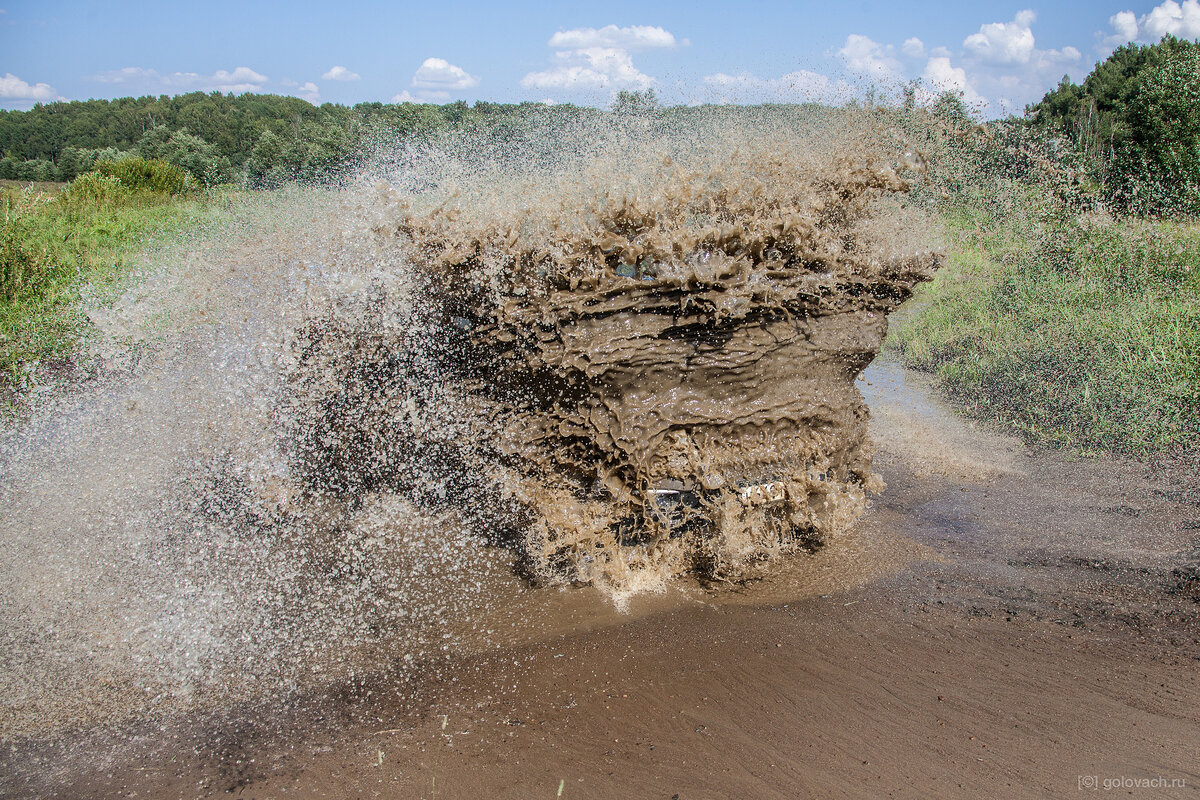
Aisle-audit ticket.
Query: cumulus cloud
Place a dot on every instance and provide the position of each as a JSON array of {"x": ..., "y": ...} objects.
[
  {"x": 340, "y": 73},
  {"x": 1044, "y": 60},
  {"x": 1124, "y": 25},
  {"x": 599, "y": 59},
  {"x": 1004, "y": 42},
  {"x": 241, "y": 79},
  {"x": 1182, "y": 20},
  {"x": 593, "y": 68},
  {"x": 800, "y": 86},
  {"x": 913, "y": 47},
  {"x": 633, "y": 38},
  {"x": 13, "y": 88},
  {"x": 440, "y": 75},
  {"x": 1171, "y": 17},
  {"x": 1012, "y": 45},
  {"x": 940, "y": 76},
  {"x": 870, "y": 59},
  {"x": 309, "y": 92},
  {"x": 999, "y": 69},
  {"x": 1004, "y": 66}
]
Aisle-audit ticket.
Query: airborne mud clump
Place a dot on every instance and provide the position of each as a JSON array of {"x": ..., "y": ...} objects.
[{"x": 632, "y": 363}]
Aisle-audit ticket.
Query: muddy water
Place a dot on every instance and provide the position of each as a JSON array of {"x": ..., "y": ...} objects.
[
  {"x": 999, "y": 617},
  {"x": 306, "y": 457},
  {"x": 652, "y": 355}
]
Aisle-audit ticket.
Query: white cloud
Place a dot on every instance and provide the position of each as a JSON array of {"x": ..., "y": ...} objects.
[
  {"x": 440, "y": 74},
  {"x": 1171, "y": 17},
  {"x": 125, "y": 75},
  {"x": 1053, "y": 60},
  {"x": 635, "y": 37},
  {"x": 308, "y": 92},
  {"x": 870, "y": 59},
  {"x": 600, "y": 59},
  {"x": 939, "y": 76},
  {"x": 1182, "y": 20},
  {"x": 241, "y": 79},
  {"x": 799, "y": 86},
  {"x": 592, "y": 68},
  {"x": 242, "y": 76},
  {"x": 1004, "y": 67},
  {"x": 13, "y": 88},
  {"x": 1124, "y": 25},
  {"x": 340, "y": 73},
  {"x": 424, "y": 96},
  {"x": 998, "y": 70},
  {"x": 1004, "y": 42}
]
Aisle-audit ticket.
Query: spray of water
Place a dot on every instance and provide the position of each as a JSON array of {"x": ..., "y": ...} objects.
[{"x": 325, "y": 437}]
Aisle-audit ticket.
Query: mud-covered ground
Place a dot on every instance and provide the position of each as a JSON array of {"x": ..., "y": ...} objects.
[{"x": 1003, "y": 623}]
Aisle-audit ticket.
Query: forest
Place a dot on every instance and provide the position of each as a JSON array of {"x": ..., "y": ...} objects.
[{"x": 1132, "y": 129}]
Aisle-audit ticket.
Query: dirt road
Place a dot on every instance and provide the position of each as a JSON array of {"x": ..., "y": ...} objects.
[{"x": 1005, "y": 623}]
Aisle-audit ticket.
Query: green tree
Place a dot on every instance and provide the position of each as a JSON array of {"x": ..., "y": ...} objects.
[
  {"x": 1135, "y": 123},
  {"x": 201, "y": 159}
]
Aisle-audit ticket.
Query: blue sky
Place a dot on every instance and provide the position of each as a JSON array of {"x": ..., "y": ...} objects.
[{"x": 1000, "y": 55}]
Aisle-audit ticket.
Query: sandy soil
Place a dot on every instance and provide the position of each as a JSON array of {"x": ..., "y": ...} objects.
[{"x": 1004, "y": 623}]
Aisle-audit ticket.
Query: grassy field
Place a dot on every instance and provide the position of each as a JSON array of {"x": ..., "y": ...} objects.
[
  {"x": 1078, "y": 331},
  {"x": 62, "y": 244}
]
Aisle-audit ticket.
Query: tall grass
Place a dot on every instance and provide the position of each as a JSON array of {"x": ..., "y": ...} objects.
[
  {"x": 1076, "y": 330},
  {"x": 55, "y": 245},
  {"x": 145, "y": 175}
]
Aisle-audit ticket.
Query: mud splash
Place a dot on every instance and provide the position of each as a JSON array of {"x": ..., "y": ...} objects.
[
  {"x": 318, "y": 439},
  {"x": 651, "y": 355}
]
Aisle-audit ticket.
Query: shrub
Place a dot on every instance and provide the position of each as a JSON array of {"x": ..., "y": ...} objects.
[
  {"x": 146, "y": 174},
  {"x": 1136, "y": 123},
  {"x": 22, "y": 264},
  {"x": 97, "y": 188}
]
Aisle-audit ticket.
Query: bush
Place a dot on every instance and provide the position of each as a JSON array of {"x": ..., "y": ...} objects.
[
  {"x": 146, "y": 174},
  {"x": 1135, "y": 122},
  {"x": 23, "y": 266},
  {"x": 97, "y": 188}
]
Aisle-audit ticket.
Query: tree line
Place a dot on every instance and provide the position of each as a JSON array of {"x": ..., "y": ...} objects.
[
  {"x": 1131, "y": 130},
  {"x": 219, "y": 138},
  {"x": 1134, "y": 126}
]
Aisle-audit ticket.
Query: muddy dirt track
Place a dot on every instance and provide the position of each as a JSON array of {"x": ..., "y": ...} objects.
[{"x": 1004, "y": 623}]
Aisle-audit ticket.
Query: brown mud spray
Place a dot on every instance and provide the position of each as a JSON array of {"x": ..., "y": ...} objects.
[
  {"x": 323, "y": 433},
  {"x": 652, "y": 350}
]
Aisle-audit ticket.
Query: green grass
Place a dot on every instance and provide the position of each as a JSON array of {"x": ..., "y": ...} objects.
[
  {"x": 58, "y": 245},
  {"x": 1078, "y": 332}
]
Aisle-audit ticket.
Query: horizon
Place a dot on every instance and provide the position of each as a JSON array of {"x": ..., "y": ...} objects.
[{"x": 999, "y": 60}]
